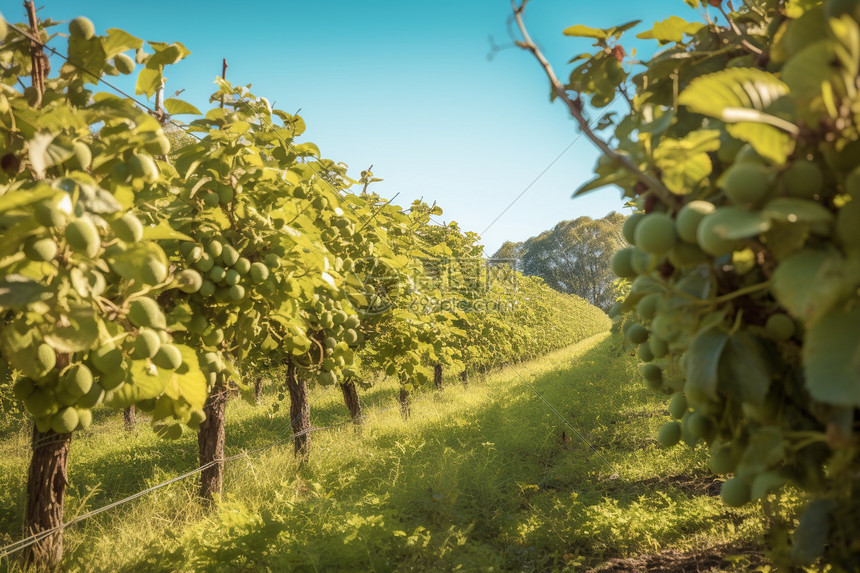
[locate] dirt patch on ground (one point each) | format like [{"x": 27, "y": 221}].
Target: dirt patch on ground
[
  {"x": 690, "y": 484},
  {"x": 713, "y": 560}
]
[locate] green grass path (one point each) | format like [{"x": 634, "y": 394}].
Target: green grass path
[{"x": 480, "y": 479}]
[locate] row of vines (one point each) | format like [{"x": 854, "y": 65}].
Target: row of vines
[
  {"x": 137, "y": 273},
  {"x": 740, "y": 153}
]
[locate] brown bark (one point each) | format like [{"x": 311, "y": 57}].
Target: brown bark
[
  {"x": 405, "y": 403},
  {"x": 129, "y": 417},
  {"x": 40, "y": 63},
  {"x": 258, "y": 389},
  {"x": 300, "y": 412},
  {"x": 210, "y": 442},
  {"x": 437, "y": 376},
  {"x": 464, "y": 377},
  {"x": 46, "y": 490},
  {"x": 350, "y": 398}
]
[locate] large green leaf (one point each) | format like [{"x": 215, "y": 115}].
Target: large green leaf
[
  {"x": 742, "y": 224},
  {"x": 685, "y": 163},
  {"x": 148, "y": 81},
  {"x": 166, "y": 54},
  {"x": 617, "y": 178},
  {"x": 809, "y": 283},
  {"x": 791, "y": 210},
  {"x": 831, "y": 358},
  {"x": 163, "y": 231},
  {"x": 187, "y": 382},
  {"x": 811, "y": 67},
  {"x": 796, "y": 8},
  {"x": 740, "y": 96},
  {"x": 19, "y": 341},
  {"x": 768, "y": 141},
  {"x": 78, "y": 331},
  {"x": 744, "y": 371},
  {"x": 47, "y": 150},
  {"x": 810, "y": 537},
  {"x": 765, "y": 450},
  {"x": 671, "y": 29},
  {"x": 722, "y": 93},
  {"x": 18, "y": 291},
  {"x": 116, "y": 41},
  {"x": 130, "y": 264},
  {"x": 86, "y": 57},
  {"x": 146, "y": 381},
  {"x": 582, "y": 31},
  {"x": 179, "y": 107},
  {"x": 15, "y": 199},
  {"x": 703, "y": 360}
]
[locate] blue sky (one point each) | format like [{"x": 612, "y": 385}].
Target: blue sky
[{"x": 404, "y": 85}]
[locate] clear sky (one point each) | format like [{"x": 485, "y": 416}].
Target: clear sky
[{"x": 404, "y": 85}]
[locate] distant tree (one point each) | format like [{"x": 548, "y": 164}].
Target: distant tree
[{"x": 574, "y": 257}]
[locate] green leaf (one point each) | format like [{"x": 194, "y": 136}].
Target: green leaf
[
  {"x": 671, "y": 29},
  {"x": 307, "y": 149},
  {"x": 582, "y": 31},
  {"x": 809, "y": 283},
  {"x": 163, "y": 231},
  {"x": 616, "y": 178},
  {"x": 785, "y": 239},
  {"x": 87, "y": 55},
  {"x": 731, "y": 93},
  {"x": 685, "y": 163},
  {"x": 116, "y": 41},
  {"x": 765, "y": 450},
  {"x": 831, "y": 358},
  {"x": 187, "y": 382},
  {"x": 47, "y": 150},
  {"x": 178, "y": 107},
  {"x": 148, "y": 82},
  {"x": 19, "y": 341},
  {"x": 178, "y": 316},
  {"x": 768, "y": 141},
  {"x": 794, "y": 9},
  {"x": 742, "y": 225},
  {"x": 93, "y": 199},
  {"x": 144, "y": 383},
  {"x": 793, "y": 210},
  {"x": 129, "y": 263},
  {"x": 78, "y": 331},
  {"x": 14, "y": 199},
  {"x": 744, "y": 371},
  {"x": 18, "y": 291},
  {"x": 166, "y": 54},
  {"x": 811, "y": 67},
  {"x": 810, "y": 537},
  {"x": 703, "y": 360}
]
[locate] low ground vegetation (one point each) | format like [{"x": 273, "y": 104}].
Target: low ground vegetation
[{"x": 484, "y": 477}]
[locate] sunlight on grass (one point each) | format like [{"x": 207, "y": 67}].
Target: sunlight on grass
[{"x": 480, "y": 478}]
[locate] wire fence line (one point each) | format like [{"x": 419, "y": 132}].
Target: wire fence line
[
  {"x": 37, "y": 537},
  {"x": 548, "y": 167}
]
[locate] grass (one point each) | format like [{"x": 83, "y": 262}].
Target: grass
[{"x": 485, "y": 478}]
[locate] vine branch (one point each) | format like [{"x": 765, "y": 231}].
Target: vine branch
[
  {"x": 741, "y": 36},
  {"x": 575, "y": 106}
]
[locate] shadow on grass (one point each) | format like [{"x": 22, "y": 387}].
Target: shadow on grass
[{"x": 489, "y": 475}]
